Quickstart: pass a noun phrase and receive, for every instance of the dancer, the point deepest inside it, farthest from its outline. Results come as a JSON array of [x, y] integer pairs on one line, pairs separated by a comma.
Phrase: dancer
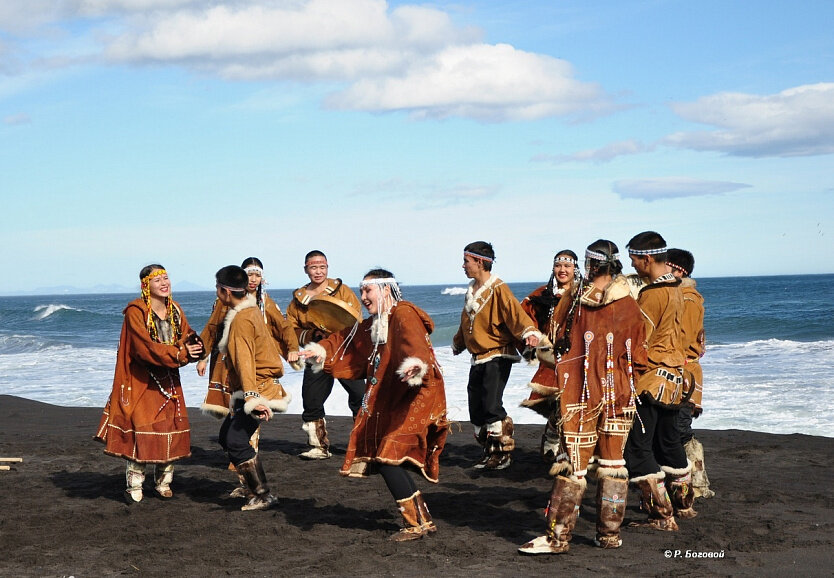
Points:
[[680, 264], [539, 305], [254, 368], [145, 420], [599, 342], [313, 324], [492, 323], [217, 401], [654, 451], [402, 422]]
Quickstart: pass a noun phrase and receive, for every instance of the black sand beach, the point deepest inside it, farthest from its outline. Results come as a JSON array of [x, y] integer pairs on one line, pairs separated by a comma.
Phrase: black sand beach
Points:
[[62, 511]]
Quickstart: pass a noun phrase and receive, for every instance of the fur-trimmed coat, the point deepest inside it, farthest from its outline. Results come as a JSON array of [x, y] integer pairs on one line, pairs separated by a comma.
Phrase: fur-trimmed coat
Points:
[[661, 302], [140, 422], [218, 397], [694, 341], [400, 421], [252, 359], [492, 323], [298, 311]]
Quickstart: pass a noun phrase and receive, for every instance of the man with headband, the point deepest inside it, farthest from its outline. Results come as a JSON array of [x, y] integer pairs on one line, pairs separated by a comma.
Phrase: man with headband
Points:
[[316, 387], [654, 451], [680, 264], [491, 324], [254, 368]]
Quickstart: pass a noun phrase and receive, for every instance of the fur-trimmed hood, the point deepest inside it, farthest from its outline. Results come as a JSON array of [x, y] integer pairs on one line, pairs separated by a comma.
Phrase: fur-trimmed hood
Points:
[[248, 301]]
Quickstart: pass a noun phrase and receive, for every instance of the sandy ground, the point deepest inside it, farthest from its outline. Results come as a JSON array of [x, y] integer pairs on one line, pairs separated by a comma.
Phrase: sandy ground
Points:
[[62, 512]]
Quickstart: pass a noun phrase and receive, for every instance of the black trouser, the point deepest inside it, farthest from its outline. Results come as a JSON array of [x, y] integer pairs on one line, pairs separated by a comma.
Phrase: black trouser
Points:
[[235, 432], [398, 481], [660, 445], [685, 422], [486, 390], [316, 388]]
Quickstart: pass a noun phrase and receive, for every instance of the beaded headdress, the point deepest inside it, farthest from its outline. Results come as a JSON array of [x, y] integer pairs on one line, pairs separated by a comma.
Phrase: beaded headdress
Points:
[[260, 292], [601, 256], [389, 282], [482, 257], [172, 316], [658, 251], [564, 259], [678, 267]]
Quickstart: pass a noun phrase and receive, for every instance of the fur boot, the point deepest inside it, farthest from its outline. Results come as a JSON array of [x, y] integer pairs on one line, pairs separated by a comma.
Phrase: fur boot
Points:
[[700, 481], [417, 521], [611, 505], [163, 476], [317, 439], [655, 501], [566, 495], [253, 472], [480, 434], [134, 478], [680, 492], [500, 444]]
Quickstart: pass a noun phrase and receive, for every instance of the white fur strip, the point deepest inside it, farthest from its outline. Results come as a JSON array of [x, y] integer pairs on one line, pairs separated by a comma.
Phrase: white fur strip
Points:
[[316, 362], [223, 344], [410, 363]]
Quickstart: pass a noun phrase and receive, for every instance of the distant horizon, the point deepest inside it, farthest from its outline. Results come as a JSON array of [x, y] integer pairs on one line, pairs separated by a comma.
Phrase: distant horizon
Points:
[[43, 292]]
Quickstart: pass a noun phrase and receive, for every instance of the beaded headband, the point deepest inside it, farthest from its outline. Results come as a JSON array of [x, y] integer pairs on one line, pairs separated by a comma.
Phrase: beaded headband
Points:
[[482, 257], [154, 273], [647, 251], [254, 269], [231, 288], [564, 259], [600, 256], [679, 268], [379, 281]]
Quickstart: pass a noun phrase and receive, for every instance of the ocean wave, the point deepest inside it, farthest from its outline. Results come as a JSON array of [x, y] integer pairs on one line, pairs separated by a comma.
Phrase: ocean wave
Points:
[[454, 291], [14, 344], [44, 311]]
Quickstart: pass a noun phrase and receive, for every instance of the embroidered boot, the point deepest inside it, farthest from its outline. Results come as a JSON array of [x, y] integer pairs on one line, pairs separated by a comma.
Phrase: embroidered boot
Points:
[[655, 501], [700, 481], [242, 491], [134, 478], [417, 521], [564, 498], [681, 494], [500, 444], [611, 505], [253, 472], [163, 476], [317, 439]]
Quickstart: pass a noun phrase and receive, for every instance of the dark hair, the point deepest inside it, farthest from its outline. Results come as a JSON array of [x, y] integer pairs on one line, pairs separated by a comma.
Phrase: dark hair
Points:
[[149, 269], [648, 240], [252, 261], [378, 273], [567, 252], [682, 258], [313, 253], [484, 249], [233, 276], [610, 266]]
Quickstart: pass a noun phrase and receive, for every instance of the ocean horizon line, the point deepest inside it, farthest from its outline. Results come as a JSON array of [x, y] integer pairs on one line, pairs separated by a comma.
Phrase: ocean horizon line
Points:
[[193, 288]]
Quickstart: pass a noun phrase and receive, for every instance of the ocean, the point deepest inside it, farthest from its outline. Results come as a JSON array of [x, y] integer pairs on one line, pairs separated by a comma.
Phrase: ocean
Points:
[[769, 364]]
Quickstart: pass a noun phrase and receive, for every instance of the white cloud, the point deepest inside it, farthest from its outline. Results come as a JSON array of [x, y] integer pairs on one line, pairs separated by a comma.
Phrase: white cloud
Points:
[[372, 57], [601, 155], [427, 196], [795, 122], [672, 187], [15, 119], [482, 81]]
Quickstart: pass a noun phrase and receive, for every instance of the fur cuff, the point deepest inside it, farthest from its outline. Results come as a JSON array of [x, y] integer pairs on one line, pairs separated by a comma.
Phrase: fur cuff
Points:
[[318, 352], [531, 331], [659, 476], [213, 410], [612, 472], [678, 471], [410, 363]]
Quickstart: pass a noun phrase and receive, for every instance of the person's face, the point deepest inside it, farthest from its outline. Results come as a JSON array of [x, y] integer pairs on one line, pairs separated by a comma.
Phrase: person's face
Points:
[[160, 286], [640, 264], [563, 271], [316, 269], [472, 266], [255, 279], [371, 296]]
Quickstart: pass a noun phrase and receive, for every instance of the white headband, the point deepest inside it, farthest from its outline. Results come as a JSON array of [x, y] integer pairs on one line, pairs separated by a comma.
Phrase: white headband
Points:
[[382, 281], [600, 256], [647, 251], [483, 257], [564, 259], [254, 269]]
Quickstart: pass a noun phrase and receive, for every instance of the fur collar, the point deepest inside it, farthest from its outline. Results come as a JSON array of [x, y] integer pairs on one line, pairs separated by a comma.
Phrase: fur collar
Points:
[[614, 291], [248, 301], [475, 300], [688, 282]]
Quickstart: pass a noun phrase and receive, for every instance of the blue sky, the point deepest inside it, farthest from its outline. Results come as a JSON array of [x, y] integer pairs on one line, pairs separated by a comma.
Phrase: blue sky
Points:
[[198, 133]]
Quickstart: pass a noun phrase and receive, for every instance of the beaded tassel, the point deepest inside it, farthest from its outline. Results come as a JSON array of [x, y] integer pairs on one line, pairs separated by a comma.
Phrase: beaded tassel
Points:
[[583, 400], [634, 397], [608, 392]]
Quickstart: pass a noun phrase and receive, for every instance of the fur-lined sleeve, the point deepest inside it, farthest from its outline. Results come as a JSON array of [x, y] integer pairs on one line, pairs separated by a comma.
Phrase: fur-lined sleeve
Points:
[[410, 345]]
